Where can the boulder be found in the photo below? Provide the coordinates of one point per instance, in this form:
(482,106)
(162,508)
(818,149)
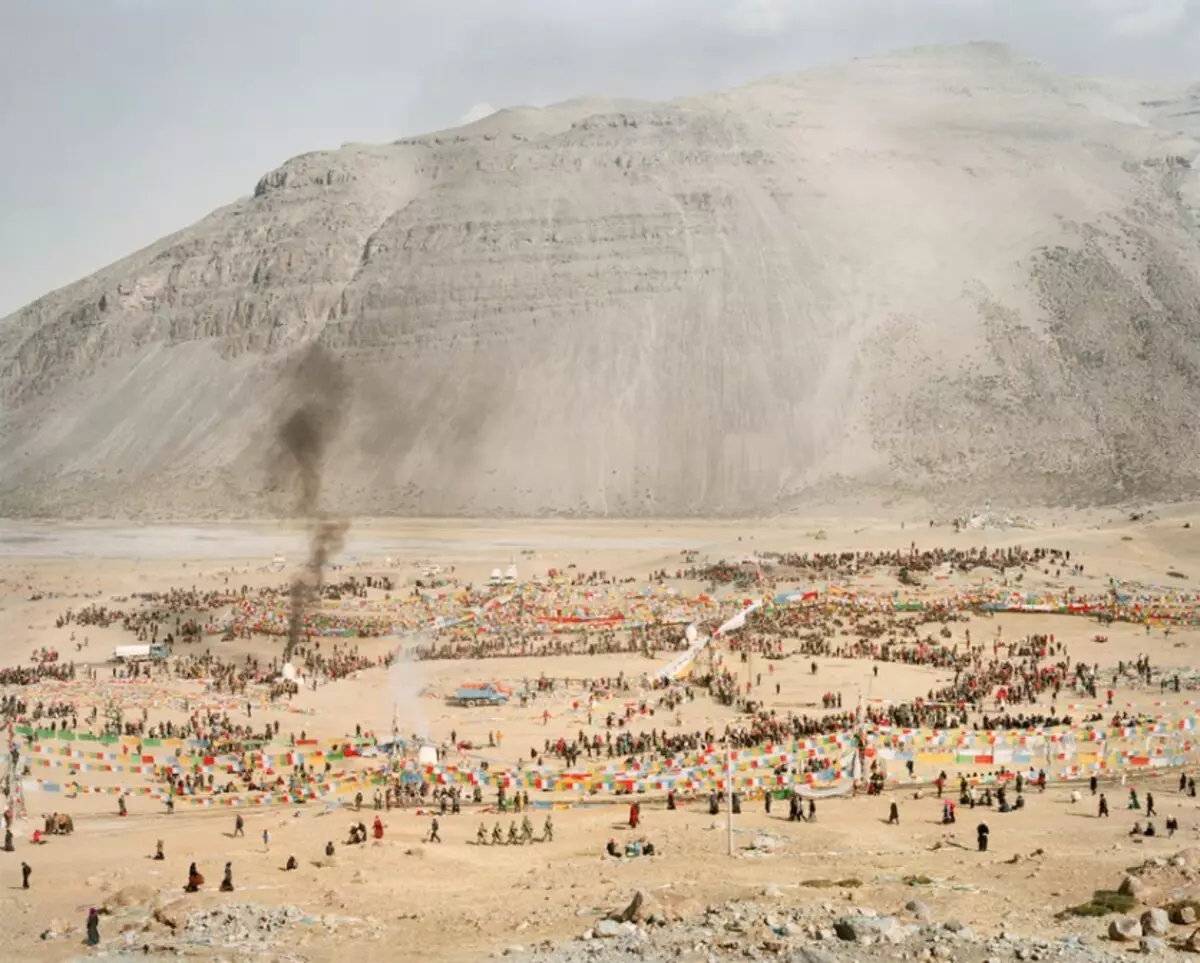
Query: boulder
(1183,915)
(1151,944)
(919,910)
(1192,943)
(635,911)
(1155,922)
(1135,887)
(867,930)
(608,929)
(1124,929)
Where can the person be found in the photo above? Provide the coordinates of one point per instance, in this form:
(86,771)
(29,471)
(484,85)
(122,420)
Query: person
(93,927)
(1150,830)
(329,848)
(266,839)
(712,804)
(1137,829)
(767,801)
(433,831)
(1172,825)
(158,851)
(548,831)
(1133,800)
(377,828)
(737,803)
(1150,804)
(893,814)
(26,872)
(1103,813)
(671,800)
(170,805)
(8,841)
(227,880)
(121,810)
(497,835)
(947,813)
(291,864)
(239,826)
(194,880)
(1093,782)
(812,811)
(612,848)
(1183,782)
(981,834)
(481,835)
(513,838)
(634,815)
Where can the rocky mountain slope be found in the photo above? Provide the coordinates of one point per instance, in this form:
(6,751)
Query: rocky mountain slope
(945,272)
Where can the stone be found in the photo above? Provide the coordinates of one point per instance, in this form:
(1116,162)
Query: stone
(1192,944)
(813,954)
(772,892)
(764,844)
(1124,928)
(1133,886)
(635,911)
(1155,922)
(867,930)
(919,910)
(1183,915)
(1151,944)
(608,929)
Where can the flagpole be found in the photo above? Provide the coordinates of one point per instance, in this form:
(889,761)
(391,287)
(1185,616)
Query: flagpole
(729,795)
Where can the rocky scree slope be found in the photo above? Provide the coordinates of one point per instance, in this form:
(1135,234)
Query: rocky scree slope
(944,272)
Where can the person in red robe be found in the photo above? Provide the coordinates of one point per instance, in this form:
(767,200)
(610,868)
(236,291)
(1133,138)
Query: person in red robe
(378,828)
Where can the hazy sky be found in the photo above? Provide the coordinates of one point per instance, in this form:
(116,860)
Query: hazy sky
(124,120)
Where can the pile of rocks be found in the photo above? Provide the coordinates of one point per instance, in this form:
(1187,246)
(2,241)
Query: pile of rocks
(750,929)
(239,924)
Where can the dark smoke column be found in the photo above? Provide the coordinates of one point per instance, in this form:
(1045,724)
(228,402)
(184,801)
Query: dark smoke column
(316,390)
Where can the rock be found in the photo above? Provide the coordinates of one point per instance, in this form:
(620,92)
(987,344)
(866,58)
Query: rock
(764,844)
(867,930)
(635,911)
(813,954)
(1132,886)
(1124,928)
(1183,915)
(1192,944)
(513,950)
(772,892)
(1155,922)
(608,929)
(1151,944)
(919,910)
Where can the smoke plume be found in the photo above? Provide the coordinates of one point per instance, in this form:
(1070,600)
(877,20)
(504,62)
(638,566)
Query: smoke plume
(315,397)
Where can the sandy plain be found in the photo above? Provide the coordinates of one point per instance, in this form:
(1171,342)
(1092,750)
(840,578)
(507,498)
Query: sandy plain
(457,901)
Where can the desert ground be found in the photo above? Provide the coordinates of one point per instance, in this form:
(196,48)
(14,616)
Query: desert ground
(456,900)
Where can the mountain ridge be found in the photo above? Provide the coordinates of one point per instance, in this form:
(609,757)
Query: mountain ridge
(946,273)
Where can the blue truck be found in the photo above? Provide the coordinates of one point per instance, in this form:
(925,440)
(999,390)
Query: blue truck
(480,694)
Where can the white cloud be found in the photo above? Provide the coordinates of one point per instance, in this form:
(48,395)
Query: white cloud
(1147,19)
(477,112)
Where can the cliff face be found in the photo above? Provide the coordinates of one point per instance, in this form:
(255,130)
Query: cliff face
(946,272)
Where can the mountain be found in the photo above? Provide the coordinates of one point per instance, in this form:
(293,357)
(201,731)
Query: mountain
(947,272)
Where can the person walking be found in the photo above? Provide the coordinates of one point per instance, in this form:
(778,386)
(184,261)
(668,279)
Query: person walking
(93,927)
(239,826)
(893,814)
(1150,804)
(981,834)
(433,832)
(26,872)
(1103,813)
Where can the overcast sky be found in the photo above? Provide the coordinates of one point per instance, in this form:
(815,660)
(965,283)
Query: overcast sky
(124,120)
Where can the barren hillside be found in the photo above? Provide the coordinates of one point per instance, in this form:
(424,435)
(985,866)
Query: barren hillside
(946,272)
